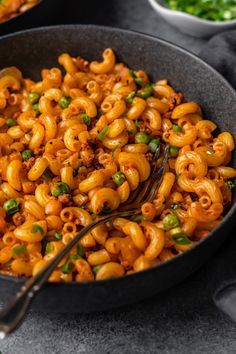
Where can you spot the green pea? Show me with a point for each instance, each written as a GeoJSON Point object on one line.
{"type": "Point", "coordinates": [26, 155]}
{"type": "Point", "coordinates": [141, 138]}
{"type": "Point", "coordinates": [64, 101]}
{"type": "Point", "coordinates": [154, 144]}
{"type": "Point", "coordinates": [174, 151]}
{"type": "Point", "coordinates": [118, 178]}
{"type": "Point", "coordinates": [34, 97]}
{"type": "Point", "coordinates": [60, 188]}
{"type": "Point", "coordinates": [10, 122]}
{"type": "Point", "coordinates": [170, 221]}
{"type": "Point", "coordinates": [11, 206]}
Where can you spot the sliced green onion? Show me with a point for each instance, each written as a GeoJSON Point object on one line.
{"type": "Point", "coordinates": [170, 221]}
{"type": "Point", "coordinates": [138, 80]}
{"type": "Point", "coordinates": [49, 248]}
{"type": "Point", "coordinates": [138, 218]}
{"type": "Point", "coordinates": [103, 133]}
{"type": "Point", "coordinates": [75, 256]}
{"type": "Point", "coordinates": [175, 206]}
{"type": "Point", "coordinates": [64, 101]}
{"type": "Point", "coordinates": [80, 250]}
{"type": "Point", "coordinates": [67, 267]}
{"type": "Point", "coordinates": [145, 92]}
{"type": "Point", "coordinates": [19, 250]}
{"type": "Point", "coordinates": [96, 268]}
{"type": "Point", "coordinates": [37, 228]}
{"type": "Point", "coordinates": [11, 206]}
{"type": "Point", "coordinates": [118, 178]}
{"type": "Point", "coordinates": [177, 128]}
{"type": "Point", "coordinates": [130, 97]}
{"type": "Point", "coordinates": [213, 10]}
{"type": "Point", "coordinates": [58, 236]}
{"type": "Point", "coordinates": [181, 239]}
{"type": "Point", "coordinates": [85, 118]}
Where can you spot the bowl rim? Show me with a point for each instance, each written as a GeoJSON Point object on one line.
{"type": "Point", "coordinates": [231, 212]}
{"type": "Point", "coordinates": [13, 19]}
{"type": "Point", "coordinates": [161, 8]}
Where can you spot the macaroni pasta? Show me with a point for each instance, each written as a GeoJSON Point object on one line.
{"type": "Point", "coordinates": [75, 146]}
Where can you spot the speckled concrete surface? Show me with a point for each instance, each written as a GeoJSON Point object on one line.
{"type": "Point", "coordinates": [181, 320]}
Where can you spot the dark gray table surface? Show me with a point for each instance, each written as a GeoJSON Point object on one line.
{"type": "Point", "coordinates": [181, 320]}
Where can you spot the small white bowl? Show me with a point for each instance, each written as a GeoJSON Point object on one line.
{"type": "Point", "coordinates": [190, 24]}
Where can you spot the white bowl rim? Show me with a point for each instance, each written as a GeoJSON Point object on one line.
{"type": "Point", "coordinates": [158, 6]}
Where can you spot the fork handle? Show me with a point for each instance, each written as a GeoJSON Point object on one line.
{"type": "Point", "coordinates": [14, 312]}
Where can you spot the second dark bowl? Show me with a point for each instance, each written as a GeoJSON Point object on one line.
{"type": "Point", "coordinates": [44, 13]}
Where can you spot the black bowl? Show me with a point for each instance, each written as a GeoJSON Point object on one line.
{"type": "Point", "coordinates": [30, 51]}
{"type": "Point", "coordinates": [44, 13]}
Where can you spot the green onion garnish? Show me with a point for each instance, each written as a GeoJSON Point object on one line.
{"type": "Point", "coordinates": [37, 228]}
{"type": "Point", "coordinates": [103, 133]}
{"type": "Point", "coordinates": [11, 206]}
{"type": "Point", "coordinates": [138, 80]}
{"type": "Point", "coordinates": [67, 267]}
{"type": "Point", "coordinates": [19, 250]}
{"type": "Point", "coordinates": [130, 97]}
{"type": "Point", "coordinates": [58, 236]}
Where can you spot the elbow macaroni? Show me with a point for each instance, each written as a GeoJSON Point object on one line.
{"type": "Point", "coordinates": [82, 153]}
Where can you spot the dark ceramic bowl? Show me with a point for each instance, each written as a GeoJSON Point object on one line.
{"type": "Point", "coordinates": [44, 13]}
{"type": "Point", "coordinates": [30, 51]}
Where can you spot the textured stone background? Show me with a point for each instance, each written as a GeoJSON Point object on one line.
{"type": "Point", "coordinates": [181, 320]}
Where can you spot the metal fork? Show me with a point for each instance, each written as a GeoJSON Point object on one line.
{"type": "Point", "coordinates": [14, 312]}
